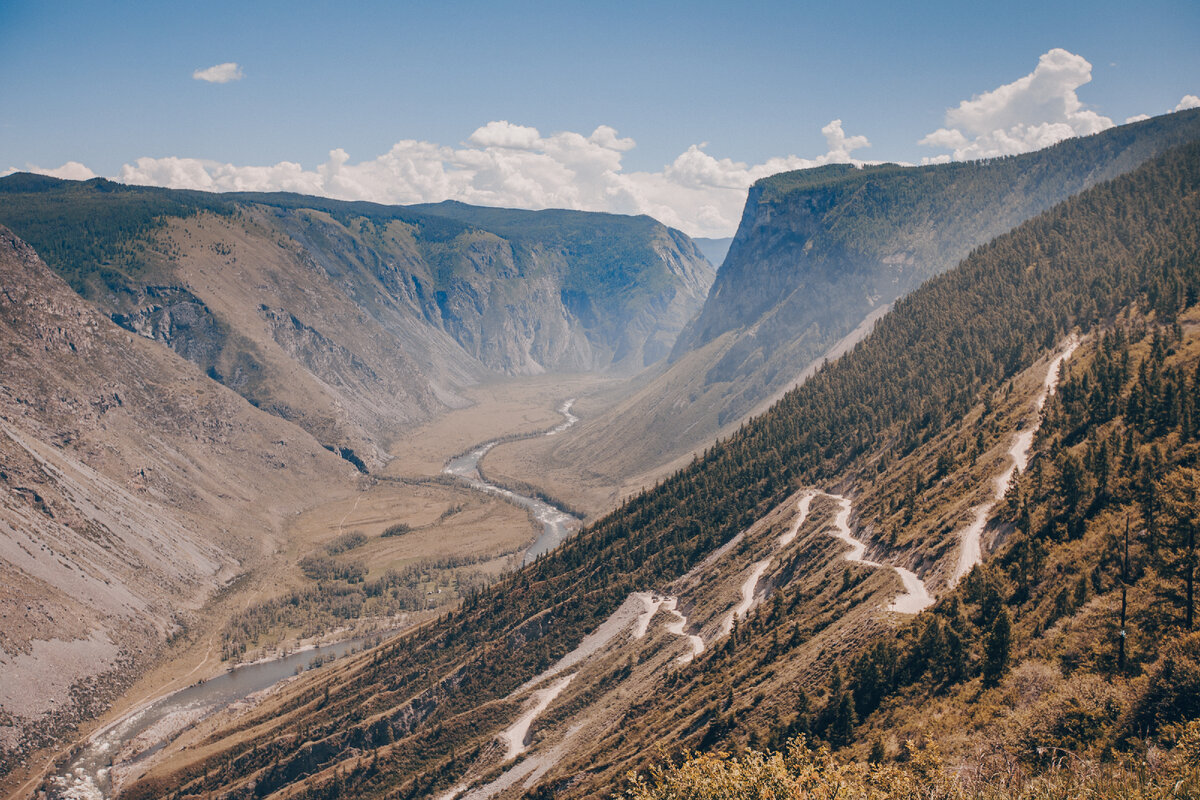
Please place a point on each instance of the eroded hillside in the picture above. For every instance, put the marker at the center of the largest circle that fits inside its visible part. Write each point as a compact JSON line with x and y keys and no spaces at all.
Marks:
{"x":355,"y":320}
{"x":131,"y":487}
{"x":888,"y":450}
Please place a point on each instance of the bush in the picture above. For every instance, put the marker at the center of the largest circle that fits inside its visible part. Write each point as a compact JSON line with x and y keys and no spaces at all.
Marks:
{"x":347,"y":541}
{"x":1170,"y":692}
{"x":398,"y":529}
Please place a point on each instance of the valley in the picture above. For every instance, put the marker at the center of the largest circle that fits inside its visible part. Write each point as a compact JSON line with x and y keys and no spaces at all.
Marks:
{"x":447,"y":525}
{"x":571,"y":511}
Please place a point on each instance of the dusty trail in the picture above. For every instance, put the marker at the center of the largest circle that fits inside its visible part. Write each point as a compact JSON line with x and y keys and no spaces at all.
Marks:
{"x":640,"y":608}
{"x":633,"y":615}
{"x":916,"y":597}
{"x":679,"y":627}
{"x":516,"y":734}
{"x":971,"y":537}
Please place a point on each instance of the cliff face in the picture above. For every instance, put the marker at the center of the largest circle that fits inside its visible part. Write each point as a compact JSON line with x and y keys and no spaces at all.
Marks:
{"x":822,"y":247}
{"x":818,"y":256}
{"x":355,"y":320}
{"x":724,"y":606}
{"x":131,"y":486}
{"x":567,"y":290}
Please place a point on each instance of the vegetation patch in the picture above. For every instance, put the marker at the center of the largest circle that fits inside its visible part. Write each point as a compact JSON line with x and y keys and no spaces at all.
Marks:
{"x":345,"y":542}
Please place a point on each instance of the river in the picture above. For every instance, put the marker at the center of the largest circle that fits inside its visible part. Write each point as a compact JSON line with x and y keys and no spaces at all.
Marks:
{"x":146,"y":730}
{"x":557,"y":524}
{"x":89,"y":775}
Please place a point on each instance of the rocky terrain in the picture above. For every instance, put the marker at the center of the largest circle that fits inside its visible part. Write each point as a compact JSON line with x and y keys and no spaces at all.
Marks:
{"x":824,"y":571}
{"x":131,"y":487}
{"x":138,"y":479}
{"x":355,"y":320}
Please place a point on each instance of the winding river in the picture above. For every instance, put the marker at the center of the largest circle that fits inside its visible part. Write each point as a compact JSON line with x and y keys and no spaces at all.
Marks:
{"x":557,"y":524}
{"x":91,"y":774}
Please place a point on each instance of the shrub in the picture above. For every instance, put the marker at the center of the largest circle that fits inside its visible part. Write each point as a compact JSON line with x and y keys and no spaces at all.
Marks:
{"x":320,"y":568}
{"x":347,"y":541}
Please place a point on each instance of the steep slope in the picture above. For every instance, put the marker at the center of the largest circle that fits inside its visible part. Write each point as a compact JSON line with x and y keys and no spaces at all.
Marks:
{"x":354,"y":319}
{"x":819,"y":255}
{"x":887,"y":449}
{"x":629,"y":284}
{"x":131,"y":487}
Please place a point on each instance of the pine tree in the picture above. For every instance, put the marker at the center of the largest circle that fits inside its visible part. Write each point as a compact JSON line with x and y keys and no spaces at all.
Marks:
{"x":1180,"y":499}
{"x":878,"y":752}
{"x":996,"y":649}
{"x":841,"y":731}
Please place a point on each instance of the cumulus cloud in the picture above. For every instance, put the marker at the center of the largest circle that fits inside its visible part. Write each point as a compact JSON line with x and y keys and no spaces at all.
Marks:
{"x":504,"y":164}
{"x":219,"y":73}
{"x":1030,"y":113}
{"x":1186,"y":102}
{"x":70,"y":171}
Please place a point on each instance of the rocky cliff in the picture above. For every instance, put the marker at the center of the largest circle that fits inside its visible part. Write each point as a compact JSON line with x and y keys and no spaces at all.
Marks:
{"x":131,"y":486}
{"x":355,"y":320}
{"x":818,"y":256}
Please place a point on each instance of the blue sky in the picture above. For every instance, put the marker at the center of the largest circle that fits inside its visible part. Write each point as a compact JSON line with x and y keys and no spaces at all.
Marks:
{"x":105,"y":84}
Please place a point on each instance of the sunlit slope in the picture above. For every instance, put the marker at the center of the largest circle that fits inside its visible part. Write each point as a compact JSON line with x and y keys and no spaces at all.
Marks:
{"x":131,"y":487}
{"x":355,"y":320}
{"x":959,"y":363}
{"x":818,"y":255}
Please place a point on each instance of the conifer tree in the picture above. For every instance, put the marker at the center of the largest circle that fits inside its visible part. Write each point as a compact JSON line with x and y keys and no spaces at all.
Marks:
{"x":996,"y":649}
{"x":1181,"y":511}
{"x":841,"y":731}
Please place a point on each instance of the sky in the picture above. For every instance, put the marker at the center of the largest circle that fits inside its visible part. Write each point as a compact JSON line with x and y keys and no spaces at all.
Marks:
{"x":668,"y":109}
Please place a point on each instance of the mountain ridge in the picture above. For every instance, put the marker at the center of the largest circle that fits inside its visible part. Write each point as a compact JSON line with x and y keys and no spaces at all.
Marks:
{"x":930,"y":386}
{"x":125,"y":502}
{"x":817,"y":252}
{"x":351,"y":318}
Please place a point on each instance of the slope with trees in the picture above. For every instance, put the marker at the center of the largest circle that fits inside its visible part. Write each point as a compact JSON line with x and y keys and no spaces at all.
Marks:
{"x":935,"y":375}
{"x":818,"y":256}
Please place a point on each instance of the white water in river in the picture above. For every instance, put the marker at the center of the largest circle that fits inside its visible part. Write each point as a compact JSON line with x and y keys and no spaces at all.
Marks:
{"x":147,"y":729}
{"x":569,"y":419}
{"x":971,"y":537}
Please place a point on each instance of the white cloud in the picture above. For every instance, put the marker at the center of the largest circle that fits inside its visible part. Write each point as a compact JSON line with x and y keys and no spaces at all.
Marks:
{"x":505,"y":134}
{"x":1028,"y":114}
{"x":70,"y":171}
{"x":1137,"y":118}
{"x":1186,"y":102}
{"x":219,"y":73}
{"x":503,"y":164}
{"x":841,"y":145}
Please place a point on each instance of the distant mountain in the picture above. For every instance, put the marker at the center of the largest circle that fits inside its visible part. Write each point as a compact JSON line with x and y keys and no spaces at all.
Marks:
{"x":354,"y":319}
{"x":714,"y":249}
{"x":710,"y":611}
{"x":819,"y":255}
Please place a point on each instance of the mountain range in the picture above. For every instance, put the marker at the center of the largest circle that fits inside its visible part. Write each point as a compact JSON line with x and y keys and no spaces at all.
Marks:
{"x":819,"y":256}
{"x":981,"y":378}
{"x":722,"y":609}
